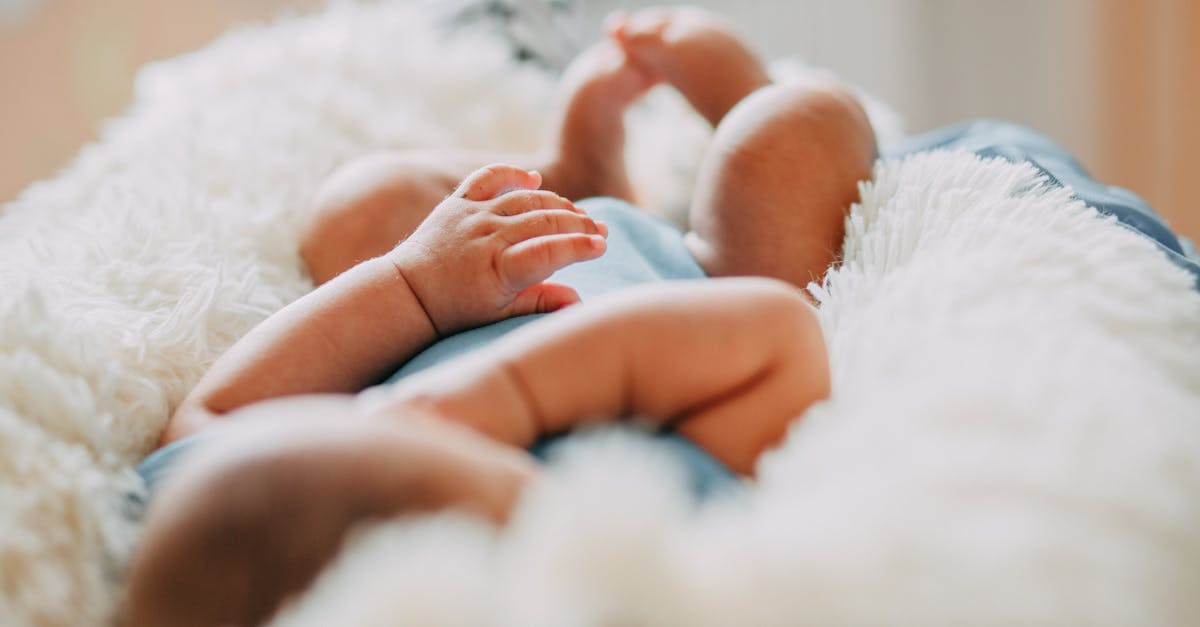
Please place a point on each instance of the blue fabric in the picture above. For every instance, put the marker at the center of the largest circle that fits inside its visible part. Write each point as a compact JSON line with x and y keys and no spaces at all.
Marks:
{"x":1016,"y":143}
{"x":158,"y":466}
{"x":642,"y":248}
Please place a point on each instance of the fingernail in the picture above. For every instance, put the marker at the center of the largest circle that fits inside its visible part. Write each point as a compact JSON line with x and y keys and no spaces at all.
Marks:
{"x":602,"y":227}
{"x":597,"y":241}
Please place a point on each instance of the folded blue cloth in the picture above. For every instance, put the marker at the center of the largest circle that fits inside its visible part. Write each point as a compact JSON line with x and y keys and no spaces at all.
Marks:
{"x":994,"y":138}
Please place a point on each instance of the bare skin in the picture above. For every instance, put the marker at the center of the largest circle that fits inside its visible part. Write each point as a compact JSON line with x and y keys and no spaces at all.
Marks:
{"x":785,"y":161}
{"x":781,"y":172}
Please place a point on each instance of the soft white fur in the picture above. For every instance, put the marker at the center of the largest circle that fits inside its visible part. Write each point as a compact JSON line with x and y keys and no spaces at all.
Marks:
{"x":1012,"y":439}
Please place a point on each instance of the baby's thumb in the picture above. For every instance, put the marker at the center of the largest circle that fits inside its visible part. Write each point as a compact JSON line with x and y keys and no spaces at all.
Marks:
{"x":493,"y":180}
{"x":543,"y":298}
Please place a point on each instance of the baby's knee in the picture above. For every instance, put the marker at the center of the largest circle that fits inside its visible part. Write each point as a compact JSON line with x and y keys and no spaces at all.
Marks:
{"x":820,"y":122}
{"x":364,"y":209}
{"x":338,"y":223}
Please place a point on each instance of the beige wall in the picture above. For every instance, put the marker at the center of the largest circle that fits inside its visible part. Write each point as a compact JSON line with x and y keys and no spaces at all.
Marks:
{"x":1149,"y":104}
{"x":1116,"y":81}
{"x":66,"y":65}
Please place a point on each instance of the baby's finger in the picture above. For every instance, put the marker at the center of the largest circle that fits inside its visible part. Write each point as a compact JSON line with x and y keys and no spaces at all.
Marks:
{"x":533,"y":260}
{"x":493,"y":180}
{"x":539,"y":223}
{"x":543,"y":298}
{"x":516,"y":203}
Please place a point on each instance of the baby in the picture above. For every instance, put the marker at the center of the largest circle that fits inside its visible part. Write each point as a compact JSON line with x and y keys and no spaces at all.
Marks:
{"x":727,"y":363}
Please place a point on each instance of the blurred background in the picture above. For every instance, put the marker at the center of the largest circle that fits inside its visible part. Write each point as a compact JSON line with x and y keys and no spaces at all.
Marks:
{"x":1116,"y":81}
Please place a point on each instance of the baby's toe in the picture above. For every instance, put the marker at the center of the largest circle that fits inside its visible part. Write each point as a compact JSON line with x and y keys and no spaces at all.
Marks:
{"x":641,"y":28}
{"x":615,"y":23}
{"x":605,"y":73}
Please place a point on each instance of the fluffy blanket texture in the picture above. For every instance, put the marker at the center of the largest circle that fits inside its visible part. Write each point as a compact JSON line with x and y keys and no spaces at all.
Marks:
{"x":1013,"y":436}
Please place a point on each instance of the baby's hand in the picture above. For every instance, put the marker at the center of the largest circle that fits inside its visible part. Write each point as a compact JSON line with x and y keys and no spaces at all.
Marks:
{"x":483,"y":253}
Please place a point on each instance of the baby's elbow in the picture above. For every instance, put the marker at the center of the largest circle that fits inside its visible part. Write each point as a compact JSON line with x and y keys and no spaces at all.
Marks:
{"x":189,"y":418}
{"x":785,"y":310}
{"x":798,"y":343}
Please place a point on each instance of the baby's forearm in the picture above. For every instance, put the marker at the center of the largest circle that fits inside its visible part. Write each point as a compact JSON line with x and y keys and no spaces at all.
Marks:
{"x":341,"y":337}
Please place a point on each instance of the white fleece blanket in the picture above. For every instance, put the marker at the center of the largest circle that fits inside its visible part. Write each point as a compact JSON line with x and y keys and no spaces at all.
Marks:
{"x":1013,"y":436}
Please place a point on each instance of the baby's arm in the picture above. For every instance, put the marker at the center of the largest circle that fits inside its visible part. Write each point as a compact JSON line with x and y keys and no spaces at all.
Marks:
{"x":728,"y":363}
{"x":480,"y":256}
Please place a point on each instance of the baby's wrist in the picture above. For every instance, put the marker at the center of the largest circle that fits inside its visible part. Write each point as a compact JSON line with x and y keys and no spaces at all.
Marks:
{"x":407,"y":270}
{"x":509,"y":391}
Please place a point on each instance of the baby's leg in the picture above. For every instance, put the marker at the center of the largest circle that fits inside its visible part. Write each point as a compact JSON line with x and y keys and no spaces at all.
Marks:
{"x":250,"y":521}
{"x":370,"y":204}
{"x":775,"y":186}
{"x":784,"y":163}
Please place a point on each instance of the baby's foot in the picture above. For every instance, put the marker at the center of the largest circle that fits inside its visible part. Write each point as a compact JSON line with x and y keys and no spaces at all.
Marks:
{"x":695,"y":51}
{"x":597,"y":88}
